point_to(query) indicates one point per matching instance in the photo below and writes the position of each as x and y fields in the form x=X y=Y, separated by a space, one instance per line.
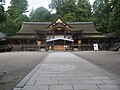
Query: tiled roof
x=30 y=27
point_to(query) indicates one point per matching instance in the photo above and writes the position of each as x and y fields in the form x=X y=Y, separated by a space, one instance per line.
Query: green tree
x=17 y=8
x=72 y=10
x=14 y=17
x=84 y=10
x=101 y=13
x=22 y=18
x=114 y=24
x=8 y=27
x=55 y=4
x=40 y=14
x=2 y=12
x=70 y=17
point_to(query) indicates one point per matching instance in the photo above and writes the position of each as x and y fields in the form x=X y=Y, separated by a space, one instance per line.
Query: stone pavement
x=66 y=71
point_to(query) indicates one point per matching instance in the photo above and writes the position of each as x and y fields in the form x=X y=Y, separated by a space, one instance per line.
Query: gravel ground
x=107 y=60
x=16 y=65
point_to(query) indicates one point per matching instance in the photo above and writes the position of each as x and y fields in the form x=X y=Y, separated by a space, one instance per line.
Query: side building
x=60 y=36
x=5 y=45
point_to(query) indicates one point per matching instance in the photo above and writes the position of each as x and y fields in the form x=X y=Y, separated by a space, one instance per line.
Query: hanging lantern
x=38 y=42
x=79 y=42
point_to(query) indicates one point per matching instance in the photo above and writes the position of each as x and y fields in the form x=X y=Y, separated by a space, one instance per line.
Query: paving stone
x=31 y=83
x=69 y=82
x=17 y=88
x=40 y=78
x=101 y=78
x=111 y=82
x=61 y=87
x=33 y=78
x=92 y=82
x=69 y=75
x=64 y=78
x=35 y=88
x=108 y=87
x=44 y=82
x=66 y=71
x=85 y=87
x=86 y=75
x=80 y=78
x=47 y=75
x=95 y=89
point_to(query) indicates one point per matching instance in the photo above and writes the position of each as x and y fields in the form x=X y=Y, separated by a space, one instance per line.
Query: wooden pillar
x=72 y=47
x=88 y=44
x=28 y=45
x=64 y=45
x=53 y=45
x=64 y=34
x=53 y=38
x=20 y=45
x=46 y=47
x=105 y=44
x=53 y=34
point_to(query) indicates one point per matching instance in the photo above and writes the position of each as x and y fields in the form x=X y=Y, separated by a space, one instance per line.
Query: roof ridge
x=37 y=22
x=51 y=22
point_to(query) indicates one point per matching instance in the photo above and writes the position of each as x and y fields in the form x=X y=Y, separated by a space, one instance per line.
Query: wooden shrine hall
x=59 y=36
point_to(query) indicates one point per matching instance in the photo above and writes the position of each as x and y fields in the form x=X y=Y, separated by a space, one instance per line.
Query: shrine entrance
x=58 y=48
x=60 y=44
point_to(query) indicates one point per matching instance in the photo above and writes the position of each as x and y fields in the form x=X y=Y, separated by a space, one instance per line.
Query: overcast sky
x=36 y=3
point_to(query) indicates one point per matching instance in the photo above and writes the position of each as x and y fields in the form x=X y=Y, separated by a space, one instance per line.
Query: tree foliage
x=106 y=15
x=72 y=10
x=114 y=23
x=14 y=17
x=84 y=10
x=22 y=18
x=8 y=27
x=2 y=12
x=101 y=12
x=40 y=14
x=17 y=8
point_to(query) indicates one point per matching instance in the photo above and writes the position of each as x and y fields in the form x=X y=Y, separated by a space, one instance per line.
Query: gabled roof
x=59 y=21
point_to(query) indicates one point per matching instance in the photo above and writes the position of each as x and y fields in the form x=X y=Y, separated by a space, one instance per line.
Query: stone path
x=66 y=71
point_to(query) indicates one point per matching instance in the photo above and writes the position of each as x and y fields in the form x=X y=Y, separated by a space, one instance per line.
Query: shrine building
x=59 y=36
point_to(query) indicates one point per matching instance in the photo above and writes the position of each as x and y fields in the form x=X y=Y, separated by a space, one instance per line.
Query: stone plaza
x=66 y=71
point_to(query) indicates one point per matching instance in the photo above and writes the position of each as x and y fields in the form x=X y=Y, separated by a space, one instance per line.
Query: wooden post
x=64 y=45
x=20 y=45
x=72 y=42
x=45 y=41
x=53 y=34
x=28 y=45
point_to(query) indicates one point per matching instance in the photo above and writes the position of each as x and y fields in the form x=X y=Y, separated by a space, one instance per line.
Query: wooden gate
x=59 y=48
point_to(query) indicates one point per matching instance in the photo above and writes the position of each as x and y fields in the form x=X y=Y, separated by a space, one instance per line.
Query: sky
x=36 y=3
